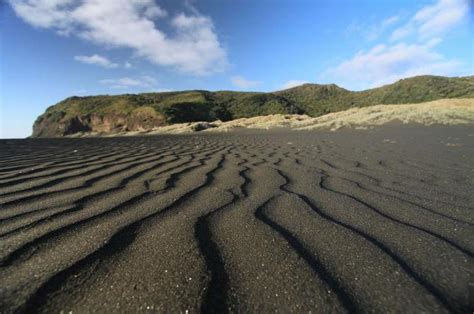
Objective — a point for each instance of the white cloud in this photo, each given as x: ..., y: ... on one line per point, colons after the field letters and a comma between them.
x: 127, y: 65
x: 434, y: 20
x: 416, y: 55
x: 375, y: 31
x: 154, y: 12
x: 292, y: 83
x: 390, y: 21
x: 385, y: 64
x: 43, y: 13
x: 191, y: 44
x: 242, y: 82
x: 127, y: 82
x: 402, y: 31
x: 371, y: 31
x: 96, y: 60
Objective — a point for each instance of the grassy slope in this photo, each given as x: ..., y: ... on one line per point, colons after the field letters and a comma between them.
x: 312, y: 99
x: 320, y: 99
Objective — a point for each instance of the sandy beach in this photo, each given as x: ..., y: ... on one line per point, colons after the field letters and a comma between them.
x: 367, y: 221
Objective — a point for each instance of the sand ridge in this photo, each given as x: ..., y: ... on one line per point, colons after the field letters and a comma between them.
x: 365, y: 221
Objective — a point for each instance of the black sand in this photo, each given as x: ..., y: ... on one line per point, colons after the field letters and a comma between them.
x: 352, y: 221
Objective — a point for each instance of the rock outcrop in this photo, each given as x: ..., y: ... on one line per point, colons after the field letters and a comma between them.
x: 140, y: 119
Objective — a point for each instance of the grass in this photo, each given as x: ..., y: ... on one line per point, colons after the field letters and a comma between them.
x: 311, y: 99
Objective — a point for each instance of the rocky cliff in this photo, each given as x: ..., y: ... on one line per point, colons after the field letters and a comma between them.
x: 59, y: 124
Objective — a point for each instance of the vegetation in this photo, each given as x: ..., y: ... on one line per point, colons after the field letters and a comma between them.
x: 316, y: 100
x: 198, y: 105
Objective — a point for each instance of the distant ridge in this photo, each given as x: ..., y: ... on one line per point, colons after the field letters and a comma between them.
x: 138, y: 112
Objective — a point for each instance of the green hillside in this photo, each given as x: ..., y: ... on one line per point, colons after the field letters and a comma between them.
x: 131, y: 112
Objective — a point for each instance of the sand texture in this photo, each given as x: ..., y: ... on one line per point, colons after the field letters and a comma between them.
x: 368, y: 221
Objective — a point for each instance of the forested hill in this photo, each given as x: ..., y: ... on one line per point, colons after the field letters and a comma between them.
x: 131, y: 112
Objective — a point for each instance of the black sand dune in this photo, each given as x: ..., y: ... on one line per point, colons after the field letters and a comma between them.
x: 352, y: 221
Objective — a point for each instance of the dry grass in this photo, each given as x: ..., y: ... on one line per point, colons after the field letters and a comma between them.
x: 444, y: 111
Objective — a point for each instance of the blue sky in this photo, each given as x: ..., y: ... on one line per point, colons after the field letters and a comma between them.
x: 53, y: 49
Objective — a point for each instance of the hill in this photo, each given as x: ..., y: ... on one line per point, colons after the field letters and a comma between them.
x: 138, y: 112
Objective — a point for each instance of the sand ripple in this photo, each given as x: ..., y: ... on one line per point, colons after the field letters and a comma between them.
x: 330, y: 222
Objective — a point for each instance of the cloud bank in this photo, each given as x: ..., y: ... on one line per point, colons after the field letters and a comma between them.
x: 434, y: 20
x: 190, y: 45
x: 412, y: 49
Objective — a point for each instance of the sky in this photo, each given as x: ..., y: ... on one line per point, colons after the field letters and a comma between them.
x: 53, y: 49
